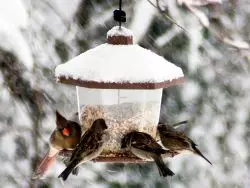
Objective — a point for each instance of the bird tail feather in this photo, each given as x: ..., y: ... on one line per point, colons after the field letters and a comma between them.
x: 76, y: 169
x: 197, y: 151
x: 162, y: 167
x: 64, y: 175
x: 43, y: 166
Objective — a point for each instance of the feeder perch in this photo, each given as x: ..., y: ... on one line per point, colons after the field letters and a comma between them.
x: 122, y: 83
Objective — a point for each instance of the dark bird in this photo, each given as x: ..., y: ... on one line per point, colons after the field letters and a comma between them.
x: 90, y: 146
x: 65, y: 137
x: 177, y: 141
x: 144, y: 146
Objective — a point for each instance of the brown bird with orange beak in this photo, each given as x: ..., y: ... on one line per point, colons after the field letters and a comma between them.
x: 176, y: 141
x: 65, y: 137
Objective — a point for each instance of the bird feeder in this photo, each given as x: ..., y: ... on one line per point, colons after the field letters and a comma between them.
x: 121, y: 83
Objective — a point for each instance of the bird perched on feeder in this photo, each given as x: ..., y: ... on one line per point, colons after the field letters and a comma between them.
x: 65, y: 137
x: 90, y: 146
x: 177, y: 141
x: 144, y: 146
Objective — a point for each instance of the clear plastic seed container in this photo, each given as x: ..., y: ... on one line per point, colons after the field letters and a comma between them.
x: 123, y: 110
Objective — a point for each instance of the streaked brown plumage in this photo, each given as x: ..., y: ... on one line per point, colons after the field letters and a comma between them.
x: 144, y: 146
x: 90, y: 146
x: 177, y: 141
x: 65, y: 137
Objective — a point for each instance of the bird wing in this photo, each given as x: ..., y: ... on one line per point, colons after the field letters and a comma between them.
x: 146, y: 142
x: 89, y: 142
x: 178, y: 139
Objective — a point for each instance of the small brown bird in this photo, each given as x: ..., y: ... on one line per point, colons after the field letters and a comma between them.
x: 177, y: 141
x: 144, y: 146
x: 90, y: 147
x: 65, y: 137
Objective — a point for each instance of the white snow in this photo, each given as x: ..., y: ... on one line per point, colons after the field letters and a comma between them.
x: 12, y: 40
x: 198, y: 2
x: 64, y: 8
x: 200, y: 15
x: 168, y: 36
x: 119, y: 31
x: 14, y: 12
x: 191, y: 91
x: 140, y: 21
x: 13, y: 17
x: 195, y: 36
x: 119, y: 63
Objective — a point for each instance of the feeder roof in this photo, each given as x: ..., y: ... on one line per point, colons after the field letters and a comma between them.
x: 119, y: 67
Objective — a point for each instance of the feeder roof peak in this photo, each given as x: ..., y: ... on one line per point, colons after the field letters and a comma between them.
x: 119, y: 31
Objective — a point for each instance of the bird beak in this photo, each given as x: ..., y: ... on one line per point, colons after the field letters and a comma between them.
x: 65, y: 132
x: 103, y: 123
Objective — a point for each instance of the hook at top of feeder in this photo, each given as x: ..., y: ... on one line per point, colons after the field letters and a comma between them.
x: 120, y: 36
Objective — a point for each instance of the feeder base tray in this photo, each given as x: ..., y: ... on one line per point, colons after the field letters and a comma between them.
x: 118, y: 157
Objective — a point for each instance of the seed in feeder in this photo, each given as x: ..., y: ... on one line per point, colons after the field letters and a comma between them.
x: 121, y: 119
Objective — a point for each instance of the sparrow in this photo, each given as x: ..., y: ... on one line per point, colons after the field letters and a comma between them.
x: 145, y: 147
x: 65, y: 137
x: 177, y: 141
x: 90, y: 146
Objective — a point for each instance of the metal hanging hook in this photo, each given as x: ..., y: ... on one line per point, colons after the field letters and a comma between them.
x: 120, y: 5
x: 119, y: 15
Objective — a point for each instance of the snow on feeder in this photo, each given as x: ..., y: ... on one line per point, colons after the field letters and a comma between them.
x: 122, y: 83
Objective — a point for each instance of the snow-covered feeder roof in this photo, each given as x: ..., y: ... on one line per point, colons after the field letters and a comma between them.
x: 119, y: 65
